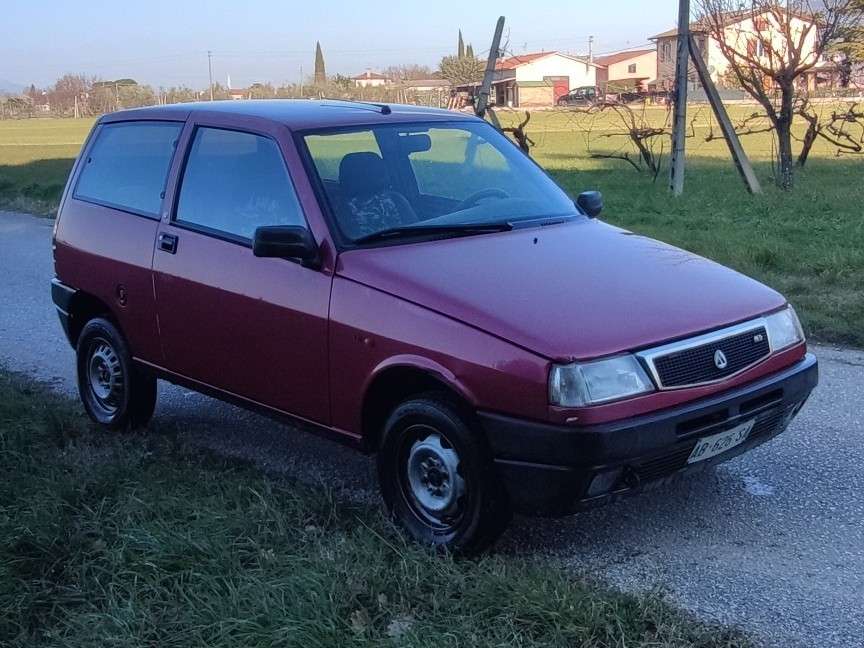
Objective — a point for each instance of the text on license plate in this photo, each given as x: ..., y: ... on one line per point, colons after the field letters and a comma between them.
x: 713, y: 445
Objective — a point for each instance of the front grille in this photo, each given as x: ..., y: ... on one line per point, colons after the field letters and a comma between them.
x: 768, y: 423
x: 696, y: 365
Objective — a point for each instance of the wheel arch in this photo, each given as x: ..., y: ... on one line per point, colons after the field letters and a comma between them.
x: 395, y: 381
x: 82, y: 308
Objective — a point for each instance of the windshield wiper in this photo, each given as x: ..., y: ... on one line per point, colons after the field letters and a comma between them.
x: 459, y: 229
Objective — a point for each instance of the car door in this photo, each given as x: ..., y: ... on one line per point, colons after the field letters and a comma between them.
x: 254, y: 327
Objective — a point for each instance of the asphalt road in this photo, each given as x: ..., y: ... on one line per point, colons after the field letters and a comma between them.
x: 772, y: 541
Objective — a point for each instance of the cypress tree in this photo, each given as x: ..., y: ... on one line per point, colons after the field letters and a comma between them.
x: 320, y: 74
x: 460, y: 52
x: 469, y: 51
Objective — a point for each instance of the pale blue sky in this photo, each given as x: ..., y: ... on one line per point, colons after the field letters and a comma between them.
x: 164, y: 42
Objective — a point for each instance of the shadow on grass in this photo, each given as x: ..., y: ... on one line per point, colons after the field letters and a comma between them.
x: 34, y: 187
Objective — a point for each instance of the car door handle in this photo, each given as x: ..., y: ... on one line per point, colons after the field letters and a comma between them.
x: 168, y: 243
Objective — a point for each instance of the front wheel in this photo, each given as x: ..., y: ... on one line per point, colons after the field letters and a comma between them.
x: 438, y: 478
x: 115, y: 393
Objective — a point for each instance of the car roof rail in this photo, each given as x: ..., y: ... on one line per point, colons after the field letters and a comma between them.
x: 382, y: 108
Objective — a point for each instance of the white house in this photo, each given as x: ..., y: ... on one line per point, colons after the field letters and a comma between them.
x: 633, y: 69
x: 748, y: 34
x: 540, y: 78
x: 370, y: 79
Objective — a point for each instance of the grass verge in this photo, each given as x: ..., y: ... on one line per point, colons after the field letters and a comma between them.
x: 134, y: 541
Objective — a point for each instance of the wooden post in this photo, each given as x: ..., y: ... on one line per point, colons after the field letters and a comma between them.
x: 679, y: 126
x: 486, y: 86
x: 742, y: 162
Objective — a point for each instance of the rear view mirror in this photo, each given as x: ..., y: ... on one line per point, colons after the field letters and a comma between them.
x: 286, y: 242
x: 415, y: 142
x: 590, y: 202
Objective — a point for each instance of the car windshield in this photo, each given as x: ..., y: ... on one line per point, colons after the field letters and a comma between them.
x: 435, y: 177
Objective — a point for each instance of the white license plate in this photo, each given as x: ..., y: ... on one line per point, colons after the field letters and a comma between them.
x: 713, y: 445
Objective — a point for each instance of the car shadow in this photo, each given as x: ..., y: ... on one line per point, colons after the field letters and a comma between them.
x: 665, y: 515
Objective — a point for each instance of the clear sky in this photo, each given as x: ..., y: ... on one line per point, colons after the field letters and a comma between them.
x: 165, y: 42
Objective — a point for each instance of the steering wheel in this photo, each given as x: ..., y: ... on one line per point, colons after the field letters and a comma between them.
x: 477, y: 196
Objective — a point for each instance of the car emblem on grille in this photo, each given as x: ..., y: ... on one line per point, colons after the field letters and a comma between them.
x: 720, y: 360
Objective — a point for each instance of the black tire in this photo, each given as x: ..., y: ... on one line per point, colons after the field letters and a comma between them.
x: 433, y: 429
x: 115, y: 393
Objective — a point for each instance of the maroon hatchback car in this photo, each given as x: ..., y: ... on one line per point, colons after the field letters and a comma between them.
x: 406, y: 281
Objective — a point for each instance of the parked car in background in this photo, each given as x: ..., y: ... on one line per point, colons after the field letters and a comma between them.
x: 408, y: 282
x: 590, y: 96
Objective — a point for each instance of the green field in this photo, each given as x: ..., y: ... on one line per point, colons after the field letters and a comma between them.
x: 135, y: 540
x: 809, y: 243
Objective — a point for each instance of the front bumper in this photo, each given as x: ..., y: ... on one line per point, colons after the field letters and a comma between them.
x: 555, y: 470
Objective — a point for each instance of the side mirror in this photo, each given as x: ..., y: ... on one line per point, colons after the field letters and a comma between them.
x: 590, y: 202
x: 286, y: 242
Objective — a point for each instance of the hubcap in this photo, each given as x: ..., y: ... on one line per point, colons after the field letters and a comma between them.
x: 105, y: 376
x: 433, y: 477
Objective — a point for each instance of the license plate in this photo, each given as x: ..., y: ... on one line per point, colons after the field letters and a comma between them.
x: 715, y: 444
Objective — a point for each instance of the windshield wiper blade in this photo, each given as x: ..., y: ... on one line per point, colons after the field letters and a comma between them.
x: 420, y: 230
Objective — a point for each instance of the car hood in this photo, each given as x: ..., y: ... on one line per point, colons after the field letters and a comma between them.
x: 577, y: 290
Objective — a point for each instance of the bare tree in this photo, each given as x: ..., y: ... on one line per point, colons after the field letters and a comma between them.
x: 770, y: 46
x: 843, y: 129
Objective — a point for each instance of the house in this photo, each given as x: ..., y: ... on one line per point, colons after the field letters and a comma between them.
x: 540, y: 78
x: 426, y: 85
x: 745, y: 33
x: 238, y: 93
x: 635, y: 69
x: 370, y: 79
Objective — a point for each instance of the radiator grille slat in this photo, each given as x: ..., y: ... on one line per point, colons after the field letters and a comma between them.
x: 697, y: 365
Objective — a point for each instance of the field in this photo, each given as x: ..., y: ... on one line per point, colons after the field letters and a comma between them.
x: 134, y: 540
x: 809, y: 243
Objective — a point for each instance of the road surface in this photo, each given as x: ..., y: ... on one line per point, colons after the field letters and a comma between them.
x: 772, y: 542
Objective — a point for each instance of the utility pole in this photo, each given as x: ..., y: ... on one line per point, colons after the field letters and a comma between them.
x: 210, y: 71
x: 486, y: 86
x: 591, y: 49
x: 301, y: 81
x: 679, y: 126
x: 742, y: 162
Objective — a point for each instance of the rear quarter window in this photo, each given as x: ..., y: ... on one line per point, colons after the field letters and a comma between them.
x: 127, y: 166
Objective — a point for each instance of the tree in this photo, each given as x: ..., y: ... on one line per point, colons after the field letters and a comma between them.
x: 770, y: 47
x: 320, y: 77
x: 460, y: 71
x: 850, y: 45
x: 469, y: 51
x: 407, y: 72
x: 460, y: 51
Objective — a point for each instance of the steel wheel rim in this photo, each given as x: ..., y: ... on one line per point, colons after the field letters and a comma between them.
x: 432, y: 484
x: 105, y: 376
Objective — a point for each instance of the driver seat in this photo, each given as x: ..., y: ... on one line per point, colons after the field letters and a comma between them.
x: 369, y: 204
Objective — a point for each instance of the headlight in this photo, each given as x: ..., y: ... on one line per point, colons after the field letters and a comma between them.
x: 588, y: 383
x: 784, y: 329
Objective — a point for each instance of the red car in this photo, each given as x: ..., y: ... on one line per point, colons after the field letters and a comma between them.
x: 408, y: 282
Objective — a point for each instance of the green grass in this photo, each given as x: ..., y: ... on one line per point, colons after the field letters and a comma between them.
x: 132, y: 540
x: 809, y: 243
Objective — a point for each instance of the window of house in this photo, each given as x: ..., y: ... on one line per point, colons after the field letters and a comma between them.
x: 666, y: 51
x: 631, y: 69
x: 127, y: 166
x: 235, y: 182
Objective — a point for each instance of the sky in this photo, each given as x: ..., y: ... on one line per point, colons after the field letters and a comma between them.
x: 165, y: 42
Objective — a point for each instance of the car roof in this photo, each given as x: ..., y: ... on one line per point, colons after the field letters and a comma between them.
x: 296, y: 114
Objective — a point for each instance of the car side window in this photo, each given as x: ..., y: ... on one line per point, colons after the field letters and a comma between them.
x: 235, y: 182
x: 127, y: 166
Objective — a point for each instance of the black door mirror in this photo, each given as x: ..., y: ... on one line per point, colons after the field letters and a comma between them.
x: 590, y: 202
x: 286, y: 242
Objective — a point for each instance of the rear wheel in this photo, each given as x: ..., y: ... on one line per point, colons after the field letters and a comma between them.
x: 438, y: 478
x: 115, y: 393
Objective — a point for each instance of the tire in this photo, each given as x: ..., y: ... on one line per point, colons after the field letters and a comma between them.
x: 115, y: 393
x: 438, y: 478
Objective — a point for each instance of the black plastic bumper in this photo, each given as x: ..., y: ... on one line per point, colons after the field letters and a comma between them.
x: 62, y: 295
x: 555, y: 470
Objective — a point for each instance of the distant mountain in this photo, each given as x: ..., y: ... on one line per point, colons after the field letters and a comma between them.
x: 10, y: 87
